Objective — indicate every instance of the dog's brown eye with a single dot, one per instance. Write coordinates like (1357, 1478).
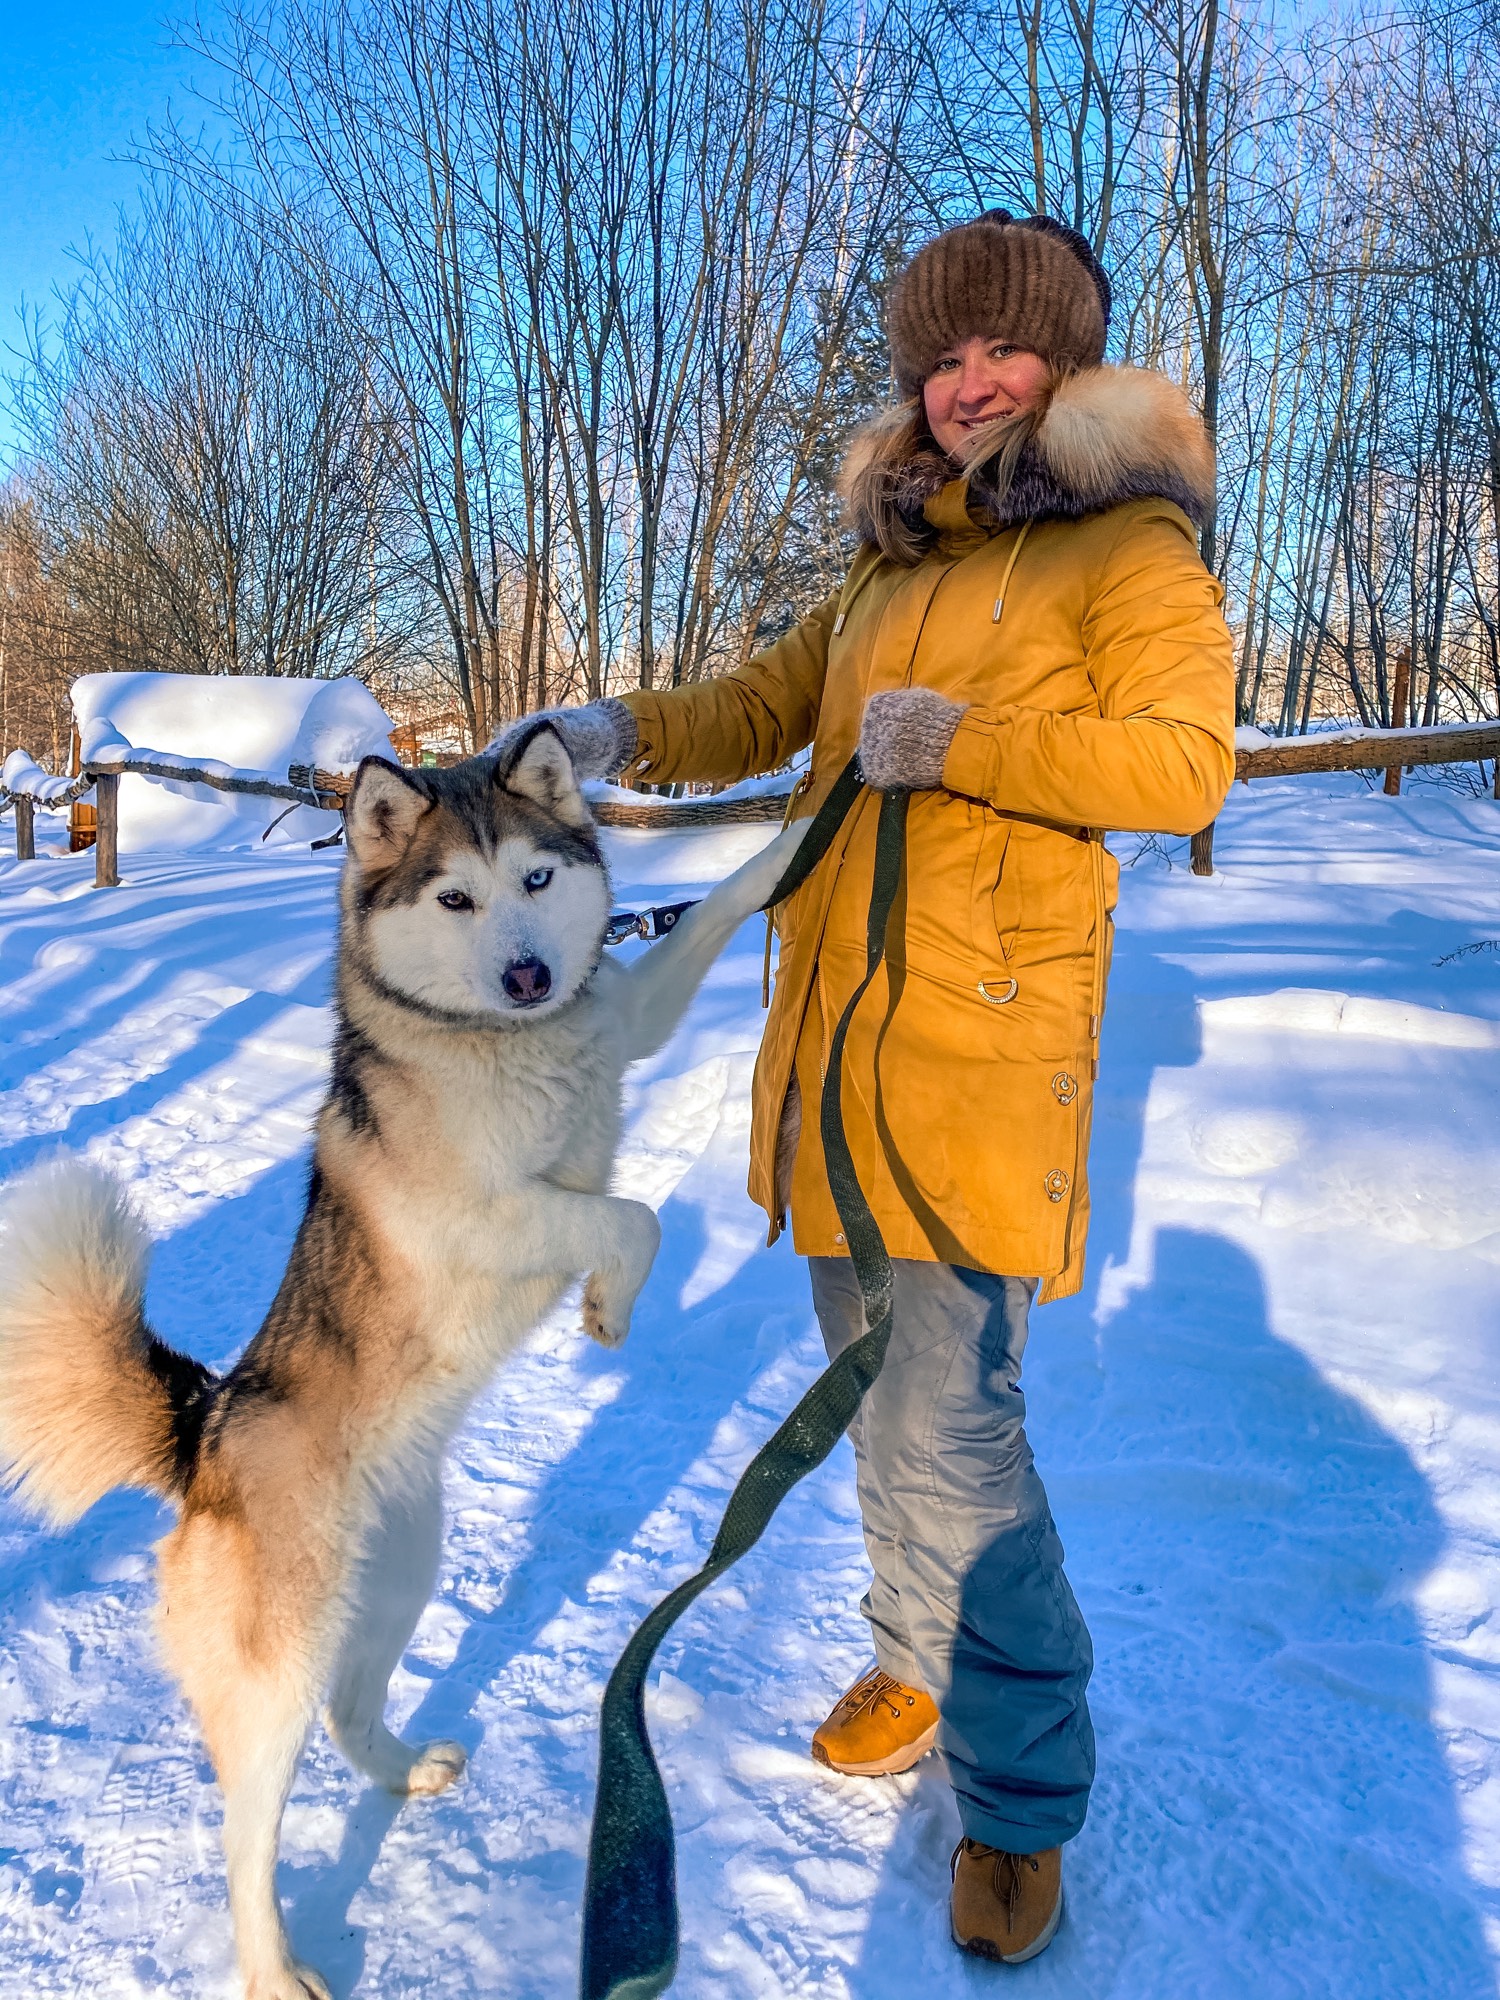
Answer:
(455, 899)
(537, 879)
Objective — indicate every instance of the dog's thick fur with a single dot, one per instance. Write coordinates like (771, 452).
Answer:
(458, 1187)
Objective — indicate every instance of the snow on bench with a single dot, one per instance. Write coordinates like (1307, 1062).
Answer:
(175, 739)
(23, 778)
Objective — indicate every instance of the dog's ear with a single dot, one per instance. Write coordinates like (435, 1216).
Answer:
(384, 807)
(540, 769)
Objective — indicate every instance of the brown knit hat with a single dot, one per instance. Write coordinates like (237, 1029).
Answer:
(1033, 282)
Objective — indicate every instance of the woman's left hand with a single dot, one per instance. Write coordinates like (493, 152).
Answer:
(904, 739)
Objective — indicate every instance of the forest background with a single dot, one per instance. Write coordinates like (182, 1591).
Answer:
(505, 355)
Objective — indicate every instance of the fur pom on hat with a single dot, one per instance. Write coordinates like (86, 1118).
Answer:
(1032, 282)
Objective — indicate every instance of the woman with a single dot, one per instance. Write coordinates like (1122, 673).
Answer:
(1029, 643)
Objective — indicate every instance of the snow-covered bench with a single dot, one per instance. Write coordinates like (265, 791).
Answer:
(202, 761)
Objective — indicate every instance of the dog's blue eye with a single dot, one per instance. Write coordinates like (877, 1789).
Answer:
(455, 899)
(537, 879)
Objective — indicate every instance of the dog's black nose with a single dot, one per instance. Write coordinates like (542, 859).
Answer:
(527, 981)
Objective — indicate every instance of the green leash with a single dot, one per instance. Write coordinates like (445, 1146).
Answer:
(630, 1929)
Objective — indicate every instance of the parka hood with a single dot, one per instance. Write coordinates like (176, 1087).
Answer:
(1100, 436)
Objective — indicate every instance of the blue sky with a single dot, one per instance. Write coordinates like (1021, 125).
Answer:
(78, 80)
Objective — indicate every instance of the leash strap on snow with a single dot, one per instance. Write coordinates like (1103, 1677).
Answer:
(630, 1928)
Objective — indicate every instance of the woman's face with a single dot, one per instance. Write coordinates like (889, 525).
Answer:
(976, 382)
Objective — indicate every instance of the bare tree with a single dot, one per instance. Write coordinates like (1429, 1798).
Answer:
(565, 309)
(211, 465)
(36, 634)
(605, 254)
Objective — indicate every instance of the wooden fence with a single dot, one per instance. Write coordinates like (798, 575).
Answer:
(1390, 750)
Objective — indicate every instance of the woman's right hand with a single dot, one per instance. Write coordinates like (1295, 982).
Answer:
(600, 737)
(904, 739)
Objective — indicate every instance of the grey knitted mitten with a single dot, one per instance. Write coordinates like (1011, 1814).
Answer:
(600, 737)
(904, 739)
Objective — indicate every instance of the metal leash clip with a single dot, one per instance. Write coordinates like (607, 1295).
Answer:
(647, 924)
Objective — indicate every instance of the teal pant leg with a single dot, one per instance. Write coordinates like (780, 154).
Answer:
(968, 1598)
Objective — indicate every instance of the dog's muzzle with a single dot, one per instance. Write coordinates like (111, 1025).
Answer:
(526, 982)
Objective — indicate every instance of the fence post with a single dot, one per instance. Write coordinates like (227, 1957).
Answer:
(25, 829)
(107, 843)
(1400, 707)
(1203, 851)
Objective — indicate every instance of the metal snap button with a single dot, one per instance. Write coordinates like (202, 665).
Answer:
(1064, 1087)
(1003, 991)
(1057, 1184)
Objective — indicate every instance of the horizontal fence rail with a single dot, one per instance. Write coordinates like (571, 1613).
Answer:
(1391, 750)
(260, 788)
(1370, 750)
(769, 804)
(323, 790)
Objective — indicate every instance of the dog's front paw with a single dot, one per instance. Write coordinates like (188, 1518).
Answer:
(600, 1322)
(438, 1765)
(610, 1293)
(288, 1982)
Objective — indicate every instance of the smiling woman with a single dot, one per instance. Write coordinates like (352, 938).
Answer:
(977, 383)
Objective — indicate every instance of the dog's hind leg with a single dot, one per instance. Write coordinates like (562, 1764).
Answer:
(391, 1590)
(251, 1645)
(256, 1740)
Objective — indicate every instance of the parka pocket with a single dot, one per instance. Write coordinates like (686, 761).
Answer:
(994, 904)
(956, 859)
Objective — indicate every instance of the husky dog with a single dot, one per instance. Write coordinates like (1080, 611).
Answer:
(457, 1188)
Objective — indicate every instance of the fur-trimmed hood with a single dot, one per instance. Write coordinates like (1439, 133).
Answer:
(1098, 437)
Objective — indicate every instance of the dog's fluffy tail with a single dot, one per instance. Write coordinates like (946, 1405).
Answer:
(89, 1398)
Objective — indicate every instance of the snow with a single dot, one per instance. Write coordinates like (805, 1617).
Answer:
(775, 784)
(243, 726)
(1248, 737)
(1270, 1428)
(1356, 732)
(20, 773)
(1311, 1010)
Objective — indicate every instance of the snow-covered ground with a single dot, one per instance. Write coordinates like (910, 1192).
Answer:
(1270, 1428)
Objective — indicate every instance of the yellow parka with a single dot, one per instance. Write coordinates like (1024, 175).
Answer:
(1093, 656)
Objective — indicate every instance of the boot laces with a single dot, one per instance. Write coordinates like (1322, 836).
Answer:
(874, 1691)
(1009, 1879)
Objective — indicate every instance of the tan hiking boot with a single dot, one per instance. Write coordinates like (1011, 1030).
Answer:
(878, 1727)
(1005, 1906)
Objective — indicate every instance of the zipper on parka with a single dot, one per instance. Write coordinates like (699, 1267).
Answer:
(1101, 919)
